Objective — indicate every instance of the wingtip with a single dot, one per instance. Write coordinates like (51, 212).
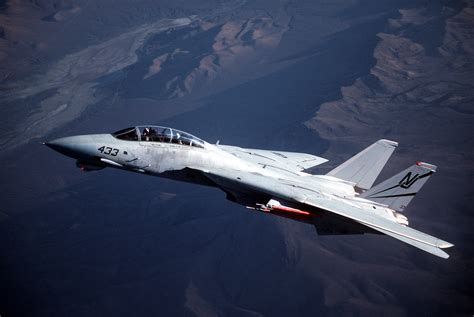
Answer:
(444, 255)
(427, 166)
(389, 142)
(444, 245)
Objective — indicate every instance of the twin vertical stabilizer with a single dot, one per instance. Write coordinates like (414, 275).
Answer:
(399, 190)
(363, 168)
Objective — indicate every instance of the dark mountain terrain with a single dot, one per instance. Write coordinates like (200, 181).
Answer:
(321, 77)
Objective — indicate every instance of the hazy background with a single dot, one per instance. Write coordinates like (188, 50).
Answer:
(321, 77)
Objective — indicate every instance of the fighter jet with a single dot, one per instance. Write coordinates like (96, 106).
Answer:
(344, 201)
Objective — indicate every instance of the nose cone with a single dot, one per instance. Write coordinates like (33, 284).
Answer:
(67, 146)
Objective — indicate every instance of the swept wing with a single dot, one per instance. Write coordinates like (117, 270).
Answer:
(290, 161)
(292, 191)
(406, 234)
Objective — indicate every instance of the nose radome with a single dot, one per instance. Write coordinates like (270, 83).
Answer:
(67, 146)
(80, 146)
(58, 144)
(55, 144)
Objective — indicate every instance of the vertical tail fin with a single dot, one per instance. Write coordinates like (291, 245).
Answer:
(399, 190)
(363, 168)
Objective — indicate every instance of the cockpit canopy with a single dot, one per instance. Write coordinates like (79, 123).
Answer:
(158, 134)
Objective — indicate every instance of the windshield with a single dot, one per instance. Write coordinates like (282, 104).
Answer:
(129, 134)
(158, 134)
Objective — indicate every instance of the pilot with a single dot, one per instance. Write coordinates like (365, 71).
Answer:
(149, 134)
(178, 140)
(146, 134)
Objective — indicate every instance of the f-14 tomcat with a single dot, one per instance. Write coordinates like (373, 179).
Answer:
(344, 201)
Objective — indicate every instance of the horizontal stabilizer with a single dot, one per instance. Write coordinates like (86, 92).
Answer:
(399, 190)
(363, 168)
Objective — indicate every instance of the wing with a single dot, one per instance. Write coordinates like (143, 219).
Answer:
(292, 191)
(290, 161)
(406, 234)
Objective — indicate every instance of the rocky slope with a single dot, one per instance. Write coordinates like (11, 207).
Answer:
(420, 93)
